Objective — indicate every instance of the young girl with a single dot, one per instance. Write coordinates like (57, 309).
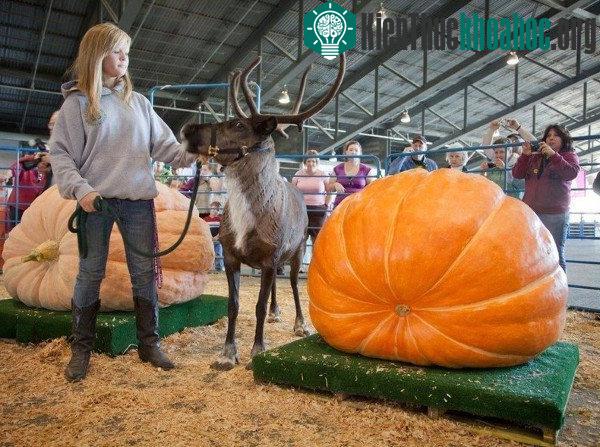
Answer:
(102, 145)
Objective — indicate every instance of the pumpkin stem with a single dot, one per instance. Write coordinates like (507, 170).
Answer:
(402, 310)
(47, 251)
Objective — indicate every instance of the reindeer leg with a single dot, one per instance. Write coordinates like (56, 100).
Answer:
(300, 327)
(266, 280)
(274, 313)
(229, 358)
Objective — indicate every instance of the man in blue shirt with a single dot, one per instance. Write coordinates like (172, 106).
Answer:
(400, 164)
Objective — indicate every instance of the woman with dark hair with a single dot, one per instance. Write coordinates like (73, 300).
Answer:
(548, 166)
(350, 176)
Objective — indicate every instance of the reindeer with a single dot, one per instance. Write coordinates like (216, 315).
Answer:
(264, 222)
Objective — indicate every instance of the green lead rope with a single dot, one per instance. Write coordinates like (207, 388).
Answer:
(78, 224)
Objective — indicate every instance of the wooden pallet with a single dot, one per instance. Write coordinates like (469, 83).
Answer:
(541, 436)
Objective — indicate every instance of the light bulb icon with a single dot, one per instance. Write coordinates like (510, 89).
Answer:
(330, 27)
(329, 30)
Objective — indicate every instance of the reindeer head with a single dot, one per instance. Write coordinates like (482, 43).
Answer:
(233, 139)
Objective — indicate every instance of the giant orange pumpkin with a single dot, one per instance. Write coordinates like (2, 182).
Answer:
(437, 268)
(42, 260)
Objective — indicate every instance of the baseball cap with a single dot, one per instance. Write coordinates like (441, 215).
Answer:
(420, 138)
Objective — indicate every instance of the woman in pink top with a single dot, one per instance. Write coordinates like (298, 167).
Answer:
(312, 182)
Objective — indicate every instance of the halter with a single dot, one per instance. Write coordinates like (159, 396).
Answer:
(241, 152)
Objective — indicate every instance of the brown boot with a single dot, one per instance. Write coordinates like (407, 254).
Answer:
(146, 319)
(82, 340)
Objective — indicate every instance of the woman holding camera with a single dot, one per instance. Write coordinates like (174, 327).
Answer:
(29, 180)
(501, 160)
(548, 166)
(496, 170)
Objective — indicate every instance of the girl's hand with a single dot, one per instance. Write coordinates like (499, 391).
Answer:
(87, 201)
(546, 150)
(526, 148)
(499, 163)
(483, 166)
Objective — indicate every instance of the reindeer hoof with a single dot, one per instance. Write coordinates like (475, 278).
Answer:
(257, 349)
(225, 363)
(302, 331)
(273, 318)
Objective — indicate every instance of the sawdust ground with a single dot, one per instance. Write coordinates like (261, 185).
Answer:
(125, 402)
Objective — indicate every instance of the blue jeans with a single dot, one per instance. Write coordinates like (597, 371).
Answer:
(558, 225)
(219, 265)
(138, 225)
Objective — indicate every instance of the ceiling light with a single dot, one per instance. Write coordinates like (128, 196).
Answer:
(284, 97)
(513, 59)
(404, 116)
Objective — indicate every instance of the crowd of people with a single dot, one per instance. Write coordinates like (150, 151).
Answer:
(538, 172)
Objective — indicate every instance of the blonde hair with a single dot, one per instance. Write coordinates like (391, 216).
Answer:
(97, 43)
(311, 152)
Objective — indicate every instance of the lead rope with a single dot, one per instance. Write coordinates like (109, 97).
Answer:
(77, 224)
(158, 275)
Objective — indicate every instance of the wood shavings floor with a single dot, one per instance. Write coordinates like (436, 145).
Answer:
(125, 402)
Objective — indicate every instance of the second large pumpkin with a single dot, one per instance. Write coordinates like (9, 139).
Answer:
(42, 259)
(437, 268)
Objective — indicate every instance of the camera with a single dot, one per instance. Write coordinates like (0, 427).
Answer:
(535, 146)
(30, 164)
(491, 165)
(41, 146)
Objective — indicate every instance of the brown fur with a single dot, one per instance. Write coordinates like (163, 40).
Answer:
(265, 222)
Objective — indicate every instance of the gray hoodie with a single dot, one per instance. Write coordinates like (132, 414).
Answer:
(114, 156)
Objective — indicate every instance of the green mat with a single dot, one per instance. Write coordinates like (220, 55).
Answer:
(534, 394)
(115, 330)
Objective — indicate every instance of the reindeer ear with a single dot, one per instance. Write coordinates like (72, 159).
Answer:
(266, 126)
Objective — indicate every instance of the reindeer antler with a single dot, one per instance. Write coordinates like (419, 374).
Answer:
(234, 86)
(299, 118)
(295, 117)
(296, 108)
(246, 88)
